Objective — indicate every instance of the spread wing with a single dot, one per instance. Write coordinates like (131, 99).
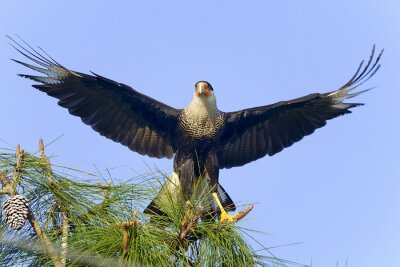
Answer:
(115, 110)
(253, 133)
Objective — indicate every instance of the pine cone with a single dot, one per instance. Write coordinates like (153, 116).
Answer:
(16, 211)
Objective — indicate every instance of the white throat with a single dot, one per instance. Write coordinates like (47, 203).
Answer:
(203, 105)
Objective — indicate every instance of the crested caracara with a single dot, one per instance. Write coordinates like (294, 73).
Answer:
(201, 138)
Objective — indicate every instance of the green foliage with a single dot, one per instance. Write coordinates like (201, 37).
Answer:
(81, 222)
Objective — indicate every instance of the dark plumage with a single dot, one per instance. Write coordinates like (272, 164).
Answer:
(202, 138)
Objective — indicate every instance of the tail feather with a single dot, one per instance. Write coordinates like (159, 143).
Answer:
(153, 209)
(225, 199)
(170, 191)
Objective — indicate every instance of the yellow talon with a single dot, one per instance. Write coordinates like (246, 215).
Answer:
(225, 217)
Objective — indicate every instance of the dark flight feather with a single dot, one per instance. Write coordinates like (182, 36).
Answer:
(253, 133)
(115, 110)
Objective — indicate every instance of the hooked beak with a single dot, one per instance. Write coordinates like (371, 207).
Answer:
(201, 89)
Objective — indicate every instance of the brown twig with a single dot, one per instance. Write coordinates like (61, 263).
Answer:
(64, 236)
(17, 170)
(186, 228)
(126, 226)
(64, 213)
(46, 241)
(6, 182)
(105, 189)
(125, 239)
(44, 157)
(4, 179)
(4, 191)
(240, 215)
(7, 186)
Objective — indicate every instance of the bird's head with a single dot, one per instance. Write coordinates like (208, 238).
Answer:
(204, 89)
(204, 97)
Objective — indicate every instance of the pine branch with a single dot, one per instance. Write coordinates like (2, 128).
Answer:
(64, 215)
(240, 215)
(17, 170)
(187, 228)
(46, 241)
(9, 187)
(126, 227)
(81, 222)
(46, 161)
(64, 237)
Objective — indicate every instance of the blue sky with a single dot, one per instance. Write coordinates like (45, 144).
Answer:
(337, 191)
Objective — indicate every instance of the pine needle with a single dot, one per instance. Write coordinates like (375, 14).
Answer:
(86, 220)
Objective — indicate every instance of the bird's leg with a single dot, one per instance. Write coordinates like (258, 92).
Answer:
(225, 217)
(212, 170)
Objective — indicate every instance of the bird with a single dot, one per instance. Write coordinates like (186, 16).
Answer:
(200, 138)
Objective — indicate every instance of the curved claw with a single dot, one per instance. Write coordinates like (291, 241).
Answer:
(225, 217)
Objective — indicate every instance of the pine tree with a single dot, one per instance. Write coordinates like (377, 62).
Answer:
(57, 216)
